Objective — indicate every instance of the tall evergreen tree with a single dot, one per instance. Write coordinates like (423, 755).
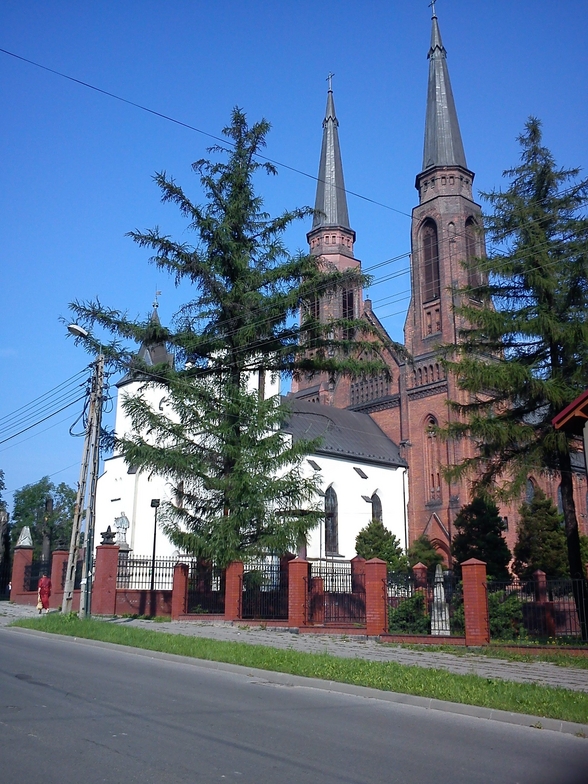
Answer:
(541, 540)
(523, 352)
(422, 550)
(479, 534)
(239, 489)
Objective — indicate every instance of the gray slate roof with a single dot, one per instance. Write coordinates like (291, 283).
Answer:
(331, 200)
(443, 144)
(343, 433)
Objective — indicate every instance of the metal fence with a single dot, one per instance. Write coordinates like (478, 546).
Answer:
(336, 594)
(142, 573)
(33, 573)
(433, 606)
(264, 590)
(206, 589)
(535, 609)
(78, 574)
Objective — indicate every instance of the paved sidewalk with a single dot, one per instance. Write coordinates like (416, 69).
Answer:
(352, 647)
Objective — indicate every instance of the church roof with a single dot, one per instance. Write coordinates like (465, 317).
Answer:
(343, 433)
(150, 353)
(331, 200)
(443, 144)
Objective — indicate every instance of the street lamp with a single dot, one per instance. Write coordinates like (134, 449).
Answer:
(154, 506)
(91, 462)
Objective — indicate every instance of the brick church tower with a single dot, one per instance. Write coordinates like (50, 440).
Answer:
(446, 231)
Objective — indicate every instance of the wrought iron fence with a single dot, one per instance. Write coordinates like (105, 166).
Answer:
(78, 574)
(536, 609)
(33, 573)
(336, 593)
(142, 573)
(264, 594)
(433, 606)
(206, 589)
(5, 575)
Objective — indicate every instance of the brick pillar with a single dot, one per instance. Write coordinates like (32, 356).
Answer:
(316, 614)
(475, 602)
(298, 588)
(179, 591)
(104, 583)
(376, 611)
(23, 557)
(233, 591)
(357, 573)
(58, 559)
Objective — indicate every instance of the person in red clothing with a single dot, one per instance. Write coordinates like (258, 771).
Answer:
(44, 593)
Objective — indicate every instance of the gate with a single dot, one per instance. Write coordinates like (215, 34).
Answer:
(336, 594)
(264, 590)
(206, 589)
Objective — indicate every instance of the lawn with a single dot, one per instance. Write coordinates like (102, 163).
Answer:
(388, 676)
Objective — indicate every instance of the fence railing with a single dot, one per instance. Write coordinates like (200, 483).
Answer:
(536, 609)
(433, 605)
(33, 573)
(206, 589)
(264, 590)
(336, 593)
(142, 573)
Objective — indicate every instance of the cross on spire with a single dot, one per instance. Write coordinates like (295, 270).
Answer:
(330, 81)
(433, 9)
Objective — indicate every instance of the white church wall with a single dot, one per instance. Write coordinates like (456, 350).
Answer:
(354, 513)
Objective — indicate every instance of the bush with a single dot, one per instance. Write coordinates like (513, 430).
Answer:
(410, 616)
(506, 616)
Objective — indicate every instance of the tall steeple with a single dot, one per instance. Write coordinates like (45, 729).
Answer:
(331, 232)
(443, 144)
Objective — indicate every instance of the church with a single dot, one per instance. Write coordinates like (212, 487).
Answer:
(446, 230)
(380, 456)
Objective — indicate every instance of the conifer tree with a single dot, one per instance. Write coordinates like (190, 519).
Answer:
(479, 534)
(541, 540)
(238, 485)
(522, 355)
(48, 510)
(376, 541)
(422, 550)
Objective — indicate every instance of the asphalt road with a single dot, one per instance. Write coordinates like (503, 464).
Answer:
(75, 713)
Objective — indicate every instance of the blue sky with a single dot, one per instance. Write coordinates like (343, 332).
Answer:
(76, 166)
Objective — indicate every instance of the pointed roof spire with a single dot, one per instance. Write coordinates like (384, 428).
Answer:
(331, 200)
(443, 144)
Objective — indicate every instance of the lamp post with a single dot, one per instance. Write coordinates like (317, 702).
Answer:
(155, 507)
(90, 461)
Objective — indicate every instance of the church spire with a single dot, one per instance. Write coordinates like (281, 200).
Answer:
(443, 144)
(331, 200)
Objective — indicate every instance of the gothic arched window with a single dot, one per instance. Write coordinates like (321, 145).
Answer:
(348, 312)
(433, 456)
(331, 523)
(376, 508)
(430, 246)
(529, 491)
(471, 253)
(559, 500)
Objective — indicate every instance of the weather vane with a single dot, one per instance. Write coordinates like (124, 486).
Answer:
(330, 81)
(156, 301)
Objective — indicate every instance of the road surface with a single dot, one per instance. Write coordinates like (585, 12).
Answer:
(77, 713)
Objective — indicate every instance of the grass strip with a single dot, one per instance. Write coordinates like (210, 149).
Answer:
(534, 699)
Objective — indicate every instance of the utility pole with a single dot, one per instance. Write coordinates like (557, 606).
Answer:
(90, 457)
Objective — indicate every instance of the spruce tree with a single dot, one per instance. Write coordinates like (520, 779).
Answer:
(422, 550)
(541, 540)
(522, 355)
(479, 534)
(238, 486)
(376, 541)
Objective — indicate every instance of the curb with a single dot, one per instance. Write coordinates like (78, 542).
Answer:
(285, 679)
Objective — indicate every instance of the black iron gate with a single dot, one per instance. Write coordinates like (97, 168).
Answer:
(264, 590)
(336, 594)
